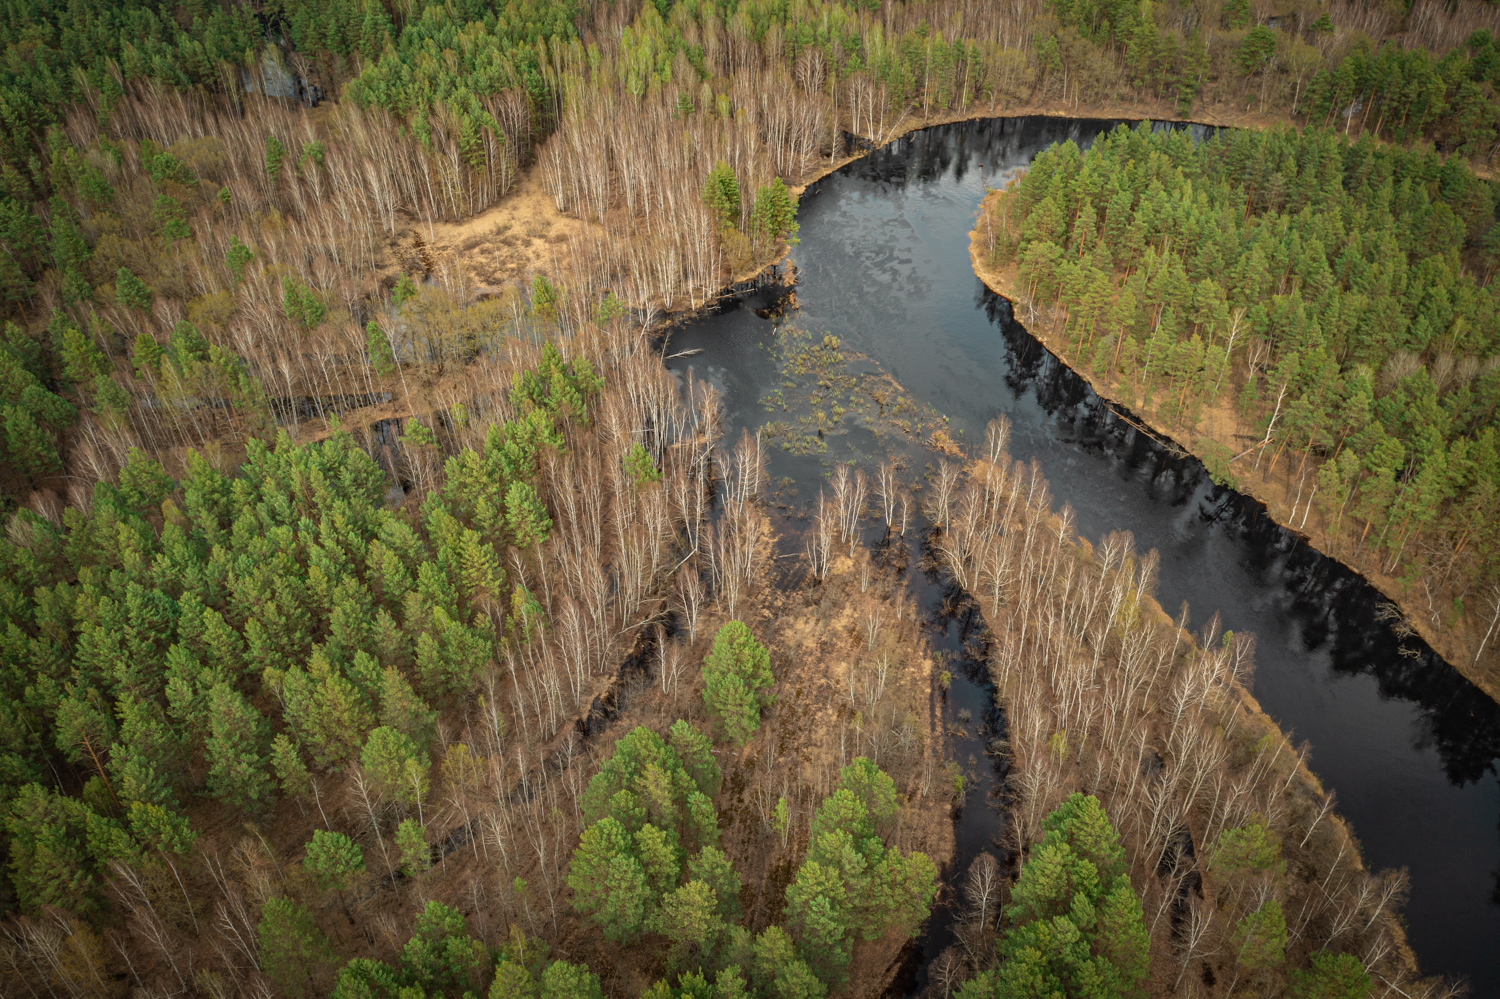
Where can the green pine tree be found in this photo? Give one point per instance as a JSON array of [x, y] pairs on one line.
[[721, 192], [333, 860], [236, 749], [131, 291], [411, 840], [395, 765], [1331, 976], [237, 258], [441, 957], [526, 516], [608, 882], [563, 980], [736, 681], [275, 154], [292, 947]]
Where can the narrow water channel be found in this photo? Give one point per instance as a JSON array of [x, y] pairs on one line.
[[1406, 743]]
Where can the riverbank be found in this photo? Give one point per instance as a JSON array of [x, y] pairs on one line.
[[1095, 678], [1287, 500], [525, 233]]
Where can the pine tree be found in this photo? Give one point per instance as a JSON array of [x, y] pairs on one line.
[[378, 348], [1259, 939], [1331, 976], [411, 840], [287, 764], [710, 866], [544, 299], [696, 753], [1074, 918], [513, 980], [818, 914], [608, 883], [291, 946], [639, 466], [237, 258], [526, 516], [774, 215], [333, 860], [441, 958], [131, 291], [403, 710], [326, 708], [366, 978], [563, 980], [396, 765], [49, 862], [235, 749], [721, 193], [27, 444], [657, 854], [275, 154], [689, 917], [735, 672]]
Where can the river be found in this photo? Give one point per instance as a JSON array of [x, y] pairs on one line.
[[1407, 744]]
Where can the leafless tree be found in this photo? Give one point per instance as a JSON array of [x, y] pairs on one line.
[[982, 888]]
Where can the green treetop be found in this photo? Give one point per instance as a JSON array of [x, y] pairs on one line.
[[1075, 925], [736, 680]]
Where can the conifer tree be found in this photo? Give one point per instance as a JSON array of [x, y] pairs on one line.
[[333, 860], [774, 215], [236, 749], [735, 673], [441, 957], [49, 857], [1331, 976], [513, 980], [563, 980], [237, 258], [608, 883], [411, 840], [1259, 939], [131, 291], [526, 516], [403, 710], [721, 193], [286, 763], [396, 765], [292, 946], [710, 866], [275, 154], [1075, 922], [639, 466], [689, 917]]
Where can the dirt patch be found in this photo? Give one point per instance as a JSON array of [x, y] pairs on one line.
[[522, 235]]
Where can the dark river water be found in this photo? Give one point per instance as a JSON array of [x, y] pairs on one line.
[[1406, 743]]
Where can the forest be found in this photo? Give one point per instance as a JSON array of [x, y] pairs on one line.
[[381, 619], [1242, 874], [1298, 302]]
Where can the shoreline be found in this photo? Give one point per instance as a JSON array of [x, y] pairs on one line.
[[1046, 109], [1444, 643]]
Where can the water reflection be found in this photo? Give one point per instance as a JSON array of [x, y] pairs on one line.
[[1335, 606]]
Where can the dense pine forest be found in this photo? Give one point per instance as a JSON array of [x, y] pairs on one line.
[[1299, 303], [379, 618]]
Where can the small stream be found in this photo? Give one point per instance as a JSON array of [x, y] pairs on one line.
[[1407, 744]]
